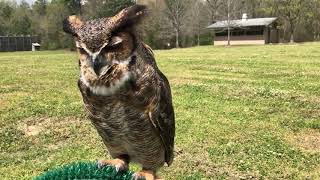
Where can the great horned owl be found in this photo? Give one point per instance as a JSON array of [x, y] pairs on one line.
[[125, 95]]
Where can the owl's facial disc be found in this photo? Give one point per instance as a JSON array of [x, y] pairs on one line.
[[106, 41], [117, 50]]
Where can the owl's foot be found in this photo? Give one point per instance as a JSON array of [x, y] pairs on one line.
[[144, 174], [119, 164]]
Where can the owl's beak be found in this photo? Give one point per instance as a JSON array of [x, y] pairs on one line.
[[96, 65]]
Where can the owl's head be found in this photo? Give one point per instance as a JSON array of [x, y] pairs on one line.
[[106, 40]]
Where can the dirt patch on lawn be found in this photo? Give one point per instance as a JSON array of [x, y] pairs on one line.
[[30, 130], [3, 104], [45, 125], [183, 80], [308, 140]]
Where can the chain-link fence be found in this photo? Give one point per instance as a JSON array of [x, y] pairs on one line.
[[17, 43]]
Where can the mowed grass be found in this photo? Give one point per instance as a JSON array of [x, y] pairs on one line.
[[247, 112]]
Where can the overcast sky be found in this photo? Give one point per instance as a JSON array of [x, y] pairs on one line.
[[29, 1]]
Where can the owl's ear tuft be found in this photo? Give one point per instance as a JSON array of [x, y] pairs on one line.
[[72, 24], [130, 16]]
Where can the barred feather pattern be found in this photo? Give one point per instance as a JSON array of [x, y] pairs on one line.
[[138, 119]]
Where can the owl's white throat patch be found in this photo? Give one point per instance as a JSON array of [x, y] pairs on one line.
[[104, 90], [115, 85]]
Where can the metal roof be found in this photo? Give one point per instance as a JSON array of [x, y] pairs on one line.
[[243, 23]]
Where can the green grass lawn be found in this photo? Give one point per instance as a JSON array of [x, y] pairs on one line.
[[241, 112]]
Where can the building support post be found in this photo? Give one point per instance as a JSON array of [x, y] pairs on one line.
[[229, 23]]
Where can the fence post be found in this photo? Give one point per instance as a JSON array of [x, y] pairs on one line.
[[8, 43], [22, 43], [15, 41]]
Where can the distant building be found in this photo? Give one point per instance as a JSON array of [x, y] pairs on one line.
[[246, 31]]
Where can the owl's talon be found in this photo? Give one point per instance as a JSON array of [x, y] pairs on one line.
[[100, 164], [118, 164], [144, 175], [137, 176]]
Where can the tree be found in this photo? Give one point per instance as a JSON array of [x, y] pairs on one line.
[[20, 21], [6, 13], [91, 8], [111, 7], [176, 14], [213, 8], [40, 7], [254, 8], [197, 19], [316, 19], [156, 29], [291, 11], [55, 37], [24, 4], [230, 10], [74, 6]]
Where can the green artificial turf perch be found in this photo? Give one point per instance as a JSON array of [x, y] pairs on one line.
[[85, 170]]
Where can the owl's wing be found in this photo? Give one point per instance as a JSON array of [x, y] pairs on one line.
[[163, 118], [161, 114]]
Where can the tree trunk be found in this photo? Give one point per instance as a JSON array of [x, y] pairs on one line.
[[177, 38], [229, 23], [291, 37], [213, 16], [198, 38], [292, 33], [80, 8], [229, 36]]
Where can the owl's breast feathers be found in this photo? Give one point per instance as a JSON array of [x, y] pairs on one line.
[[147, 92]]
